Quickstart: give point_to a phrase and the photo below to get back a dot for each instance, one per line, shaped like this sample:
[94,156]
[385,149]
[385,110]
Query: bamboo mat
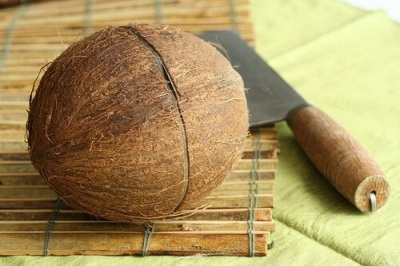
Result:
[237,222]
[32,219]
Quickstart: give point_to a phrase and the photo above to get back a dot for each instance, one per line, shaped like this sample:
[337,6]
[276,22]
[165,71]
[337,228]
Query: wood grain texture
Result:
[340,158]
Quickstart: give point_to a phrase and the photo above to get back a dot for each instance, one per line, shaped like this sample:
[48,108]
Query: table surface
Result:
[347,62]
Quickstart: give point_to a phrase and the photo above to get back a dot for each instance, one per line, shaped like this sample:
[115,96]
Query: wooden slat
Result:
[167,227]
[67,215]
[132,244]
[47,197]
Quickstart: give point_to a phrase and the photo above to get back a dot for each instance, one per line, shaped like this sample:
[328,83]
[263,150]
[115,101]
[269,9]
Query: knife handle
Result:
[340,158]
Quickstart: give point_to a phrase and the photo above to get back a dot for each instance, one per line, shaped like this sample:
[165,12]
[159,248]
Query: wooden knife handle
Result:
[340,158]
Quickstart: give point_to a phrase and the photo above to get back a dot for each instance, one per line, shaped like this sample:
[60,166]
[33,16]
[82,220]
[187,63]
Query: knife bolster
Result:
[294,111]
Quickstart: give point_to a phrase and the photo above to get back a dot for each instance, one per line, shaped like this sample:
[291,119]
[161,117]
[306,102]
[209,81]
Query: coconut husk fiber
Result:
[137,122]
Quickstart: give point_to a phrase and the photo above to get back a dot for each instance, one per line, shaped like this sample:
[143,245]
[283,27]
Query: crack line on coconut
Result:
[171,87]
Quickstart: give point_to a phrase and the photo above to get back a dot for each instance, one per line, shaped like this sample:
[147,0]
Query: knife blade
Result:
[335,153]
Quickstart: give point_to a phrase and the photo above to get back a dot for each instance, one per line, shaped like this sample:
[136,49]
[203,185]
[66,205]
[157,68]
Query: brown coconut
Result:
[137,122]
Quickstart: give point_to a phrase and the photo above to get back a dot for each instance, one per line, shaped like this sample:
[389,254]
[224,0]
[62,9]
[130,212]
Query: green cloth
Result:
[347,62]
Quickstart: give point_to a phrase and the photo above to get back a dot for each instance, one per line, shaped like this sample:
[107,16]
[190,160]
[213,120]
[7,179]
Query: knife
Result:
[335,153]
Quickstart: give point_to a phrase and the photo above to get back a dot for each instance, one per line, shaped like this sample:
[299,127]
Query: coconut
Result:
[137,122]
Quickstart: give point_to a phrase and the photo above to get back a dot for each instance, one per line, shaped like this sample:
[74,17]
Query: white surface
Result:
[392,7]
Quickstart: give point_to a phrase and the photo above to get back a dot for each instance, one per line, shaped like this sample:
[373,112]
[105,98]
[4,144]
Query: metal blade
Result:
[269,97]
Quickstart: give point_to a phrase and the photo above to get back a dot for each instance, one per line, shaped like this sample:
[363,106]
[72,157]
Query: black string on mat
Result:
[148,232]
[19,13]
[88,17]
[250,225]
[50,227]
[233,13]
[159,13]
[254,177]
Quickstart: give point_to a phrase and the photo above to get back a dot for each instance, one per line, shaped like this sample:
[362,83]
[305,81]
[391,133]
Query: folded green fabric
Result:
[351,72]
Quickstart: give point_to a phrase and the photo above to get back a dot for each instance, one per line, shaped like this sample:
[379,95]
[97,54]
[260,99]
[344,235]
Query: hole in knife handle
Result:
[372,200]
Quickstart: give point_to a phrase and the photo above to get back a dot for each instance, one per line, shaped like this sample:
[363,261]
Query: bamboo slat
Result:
[235,219]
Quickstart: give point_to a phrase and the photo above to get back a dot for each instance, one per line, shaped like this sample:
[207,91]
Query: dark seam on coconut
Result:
[171,87]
